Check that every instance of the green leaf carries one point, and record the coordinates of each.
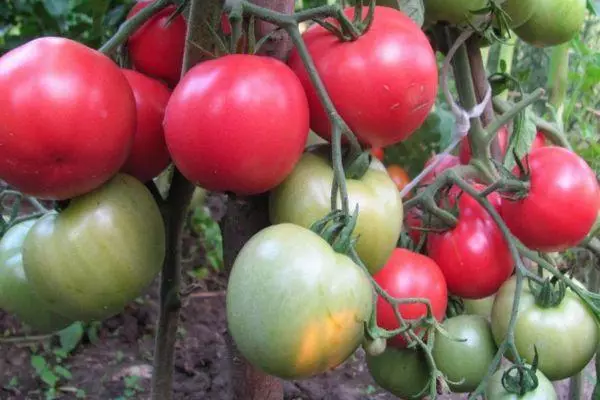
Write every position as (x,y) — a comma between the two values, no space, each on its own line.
(39,364)
(71,336)
(593,6)
(415,9)
(521,139)
(49,378)
(62,371)
(57,8)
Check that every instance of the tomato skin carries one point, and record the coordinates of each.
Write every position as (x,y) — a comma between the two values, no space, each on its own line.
(99,253)
(566,336)
(402,372)
(156,49)
(518,11)
(149,154)
(503,137)
(304,197)
(495,391)
(481,307)
(473,256)
(448,161)
(251,153)
(546,219)
(408,274)
(466,361)
(296,308)
(394,78)
(398,175)
(553,22)
(16,295)
(76,141)
(378,153)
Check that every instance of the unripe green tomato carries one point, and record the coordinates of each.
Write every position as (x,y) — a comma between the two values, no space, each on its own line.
(304,197)
(295,307)
(16,295)
(518,11)
(456,12)
(553,22)
(482,307)
(402,372)
(98,254)
(495,391)
(467,360)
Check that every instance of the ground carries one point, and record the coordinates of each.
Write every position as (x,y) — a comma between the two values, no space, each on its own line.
(114,361)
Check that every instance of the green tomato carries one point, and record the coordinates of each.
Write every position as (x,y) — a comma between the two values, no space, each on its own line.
(402,372)
(495,390)
(553,22)
(456,12)
(295,307)
(482,307)
(464,361)
(304,198)
(566,336)
(98,254)
(518,11)
(16,295)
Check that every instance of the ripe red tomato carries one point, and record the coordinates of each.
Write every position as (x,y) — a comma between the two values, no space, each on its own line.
(378,153)
(398,175)
(383,84)
(238,123)
(156,48)
(407,274)
(448,161)
(68,118)
(149,154)
(562,203)
(503,135)
(474,255)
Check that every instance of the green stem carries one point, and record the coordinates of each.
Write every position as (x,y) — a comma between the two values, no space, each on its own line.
(132,25)
(558,76)
(506,54)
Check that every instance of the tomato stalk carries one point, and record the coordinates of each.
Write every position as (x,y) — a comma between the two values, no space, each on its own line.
(132,25)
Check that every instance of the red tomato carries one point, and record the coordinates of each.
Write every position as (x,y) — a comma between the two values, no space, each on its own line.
(562,203)
(398,175)
(412,219)
(383,84)
(156,49)
(68,118)
(149,154)
(448,161)
(503,134)
(407,274)
(237,123)
(378,153)
(474,255)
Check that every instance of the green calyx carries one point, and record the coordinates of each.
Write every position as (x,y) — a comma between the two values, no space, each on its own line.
(347,30)
(337,229)
(521,379)
(356,167)
(548,294)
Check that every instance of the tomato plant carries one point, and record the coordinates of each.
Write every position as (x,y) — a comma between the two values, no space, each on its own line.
(518,11)
(57,140)
(304,198)
(453,11)
(408,275)
(553,22)
(149,154)
(465,356)
(402,372)
(16,294)
(394,77)
(447,161)
(544,390)
(98,254)
(248,154)
(156,49)
(308,303)
(546,218)
(474,256)
(566,335)
(482,307)
(503,137)
(398,175)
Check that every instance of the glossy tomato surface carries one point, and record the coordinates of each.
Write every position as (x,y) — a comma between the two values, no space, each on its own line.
(68,118)
(566,336)
(383,84)
(402,372)
(562,203)
(474,255)
(544,391)
(296,308)
(157,47)
(465,356)
(304,198)
(16,294)
(98,254)
(238,123)
(407,274)
(149,154)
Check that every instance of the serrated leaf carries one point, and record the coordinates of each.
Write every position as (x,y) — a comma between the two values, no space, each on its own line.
(39,364)
(71,336)
(415,9)
(62,371)
(521,139)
